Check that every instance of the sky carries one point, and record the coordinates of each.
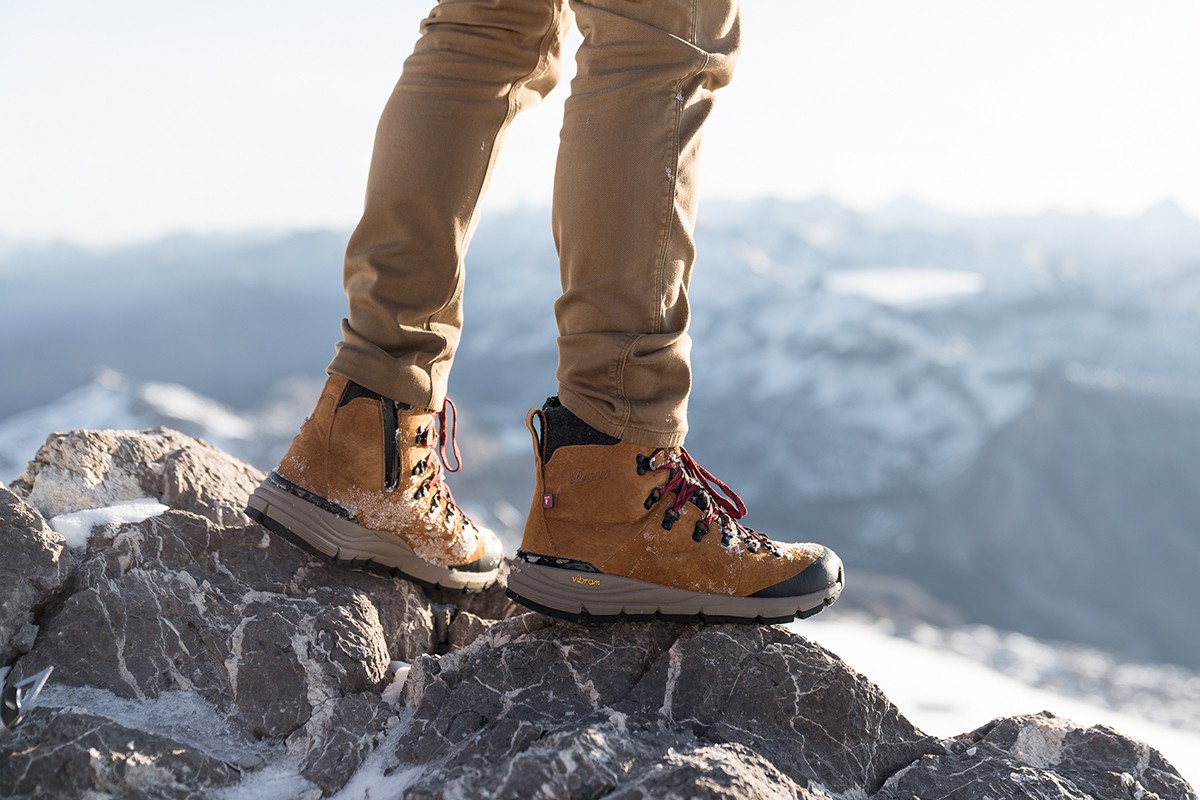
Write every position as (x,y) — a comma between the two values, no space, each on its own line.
(133,119)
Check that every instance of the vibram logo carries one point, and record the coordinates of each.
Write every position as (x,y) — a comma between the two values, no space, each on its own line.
(585,581)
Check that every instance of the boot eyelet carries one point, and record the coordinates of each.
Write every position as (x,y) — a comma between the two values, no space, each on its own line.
(654,496)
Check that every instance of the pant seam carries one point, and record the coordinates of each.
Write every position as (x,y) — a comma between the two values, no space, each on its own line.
(619,380)
(672,171)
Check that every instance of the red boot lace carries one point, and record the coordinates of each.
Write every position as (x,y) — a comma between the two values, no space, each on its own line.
(435,480)
(692,483)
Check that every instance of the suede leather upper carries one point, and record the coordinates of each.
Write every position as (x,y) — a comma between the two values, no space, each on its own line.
(589,505)
(339,455)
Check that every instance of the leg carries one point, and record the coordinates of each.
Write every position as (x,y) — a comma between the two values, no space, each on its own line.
(363,481)
(476,65)
(624,522)
(625,208)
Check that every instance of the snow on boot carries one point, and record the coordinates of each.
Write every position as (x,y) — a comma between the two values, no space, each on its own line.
(617,530)
(363,483)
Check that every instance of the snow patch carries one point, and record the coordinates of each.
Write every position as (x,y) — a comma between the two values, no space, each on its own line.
(274,782)
(391,692)
(185,717)
(381,774)
(77,526)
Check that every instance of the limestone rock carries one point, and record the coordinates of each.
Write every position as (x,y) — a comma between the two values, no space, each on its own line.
(537,705)
(63,753)
(490,604)
(466,628)
(195,651)
(199,599)
(94,469)
(334,749)
(731,771)
(1041,756)
(34,567)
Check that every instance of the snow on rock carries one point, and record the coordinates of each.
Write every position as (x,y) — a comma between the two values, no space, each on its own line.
(76,527)
(96,469)
(197,656)
(198,600)
(66,753)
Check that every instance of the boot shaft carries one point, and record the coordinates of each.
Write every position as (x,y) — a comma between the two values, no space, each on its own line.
(358,439)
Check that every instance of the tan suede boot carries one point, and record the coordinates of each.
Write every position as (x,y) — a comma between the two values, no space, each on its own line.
(361,484)
(622,531)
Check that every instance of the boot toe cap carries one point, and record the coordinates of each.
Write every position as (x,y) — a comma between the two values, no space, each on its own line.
(818,576)
(493,554)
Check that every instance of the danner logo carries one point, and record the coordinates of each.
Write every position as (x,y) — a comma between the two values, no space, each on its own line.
(579,476)
(585,581)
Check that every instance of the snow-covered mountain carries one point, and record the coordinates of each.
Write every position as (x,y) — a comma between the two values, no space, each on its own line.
(112,400)
(1003,410)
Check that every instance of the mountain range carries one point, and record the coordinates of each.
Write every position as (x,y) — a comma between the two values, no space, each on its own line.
(1004,411)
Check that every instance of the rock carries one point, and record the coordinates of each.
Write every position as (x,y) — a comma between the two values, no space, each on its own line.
(32,572)
(195,651)
(731,771)
(94,469)
(466,628)
(542,706)
(199,599)
(63,753)
(1040,756)
(334,750)
(491,603)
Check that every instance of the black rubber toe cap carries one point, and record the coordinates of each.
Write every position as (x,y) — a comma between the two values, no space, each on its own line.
(818,576)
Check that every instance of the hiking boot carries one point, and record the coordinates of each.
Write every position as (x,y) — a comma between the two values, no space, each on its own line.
(361,484)
(618,530)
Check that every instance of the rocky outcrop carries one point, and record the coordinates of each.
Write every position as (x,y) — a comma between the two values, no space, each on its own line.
(1040,756)
(32,571)
(606,705)
(197,656)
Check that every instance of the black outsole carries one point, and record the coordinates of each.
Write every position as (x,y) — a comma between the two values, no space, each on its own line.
(363,565)
(585,617)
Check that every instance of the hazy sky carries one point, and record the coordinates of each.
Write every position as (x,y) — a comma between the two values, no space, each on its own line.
(128,119)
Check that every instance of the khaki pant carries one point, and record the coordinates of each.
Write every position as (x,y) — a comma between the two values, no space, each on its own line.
(624,198)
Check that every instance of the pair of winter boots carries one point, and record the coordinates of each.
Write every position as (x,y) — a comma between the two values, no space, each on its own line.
(615,530)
